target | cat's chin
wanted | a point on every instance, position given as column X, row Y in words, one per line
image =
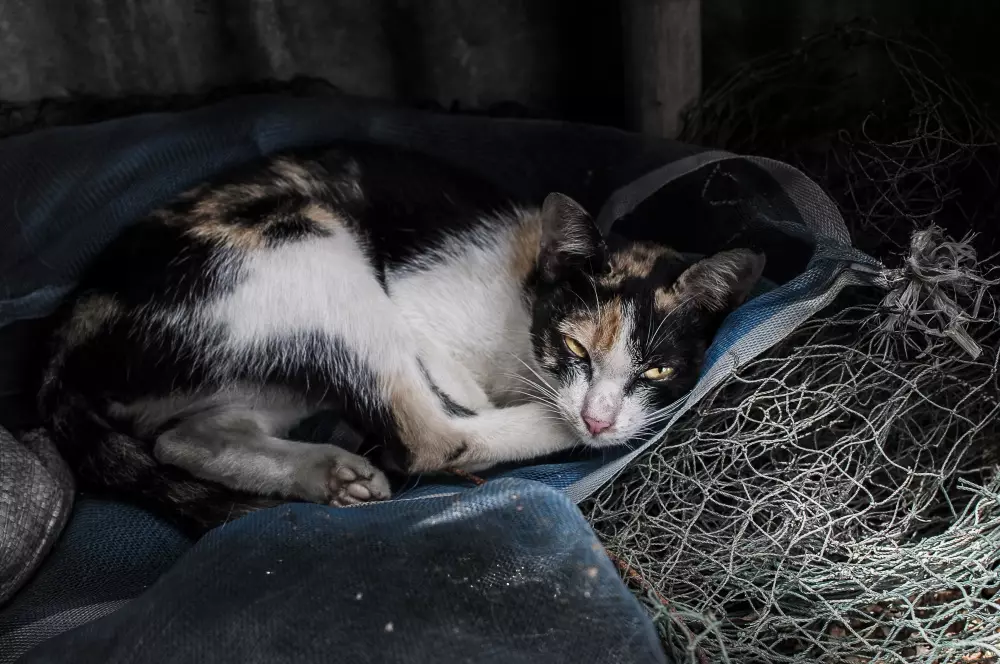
column 604, row 440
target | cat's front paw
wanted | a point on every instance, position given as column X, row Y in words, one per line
column 437, row 459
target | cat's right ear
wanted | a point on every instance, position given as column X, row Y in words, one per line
column 570, row 239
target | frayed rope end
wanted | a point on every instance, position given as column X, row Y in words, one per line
column 938, row 290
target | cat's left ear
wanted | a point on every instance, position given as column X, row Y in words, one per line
column 721, row 282
column 570, row 239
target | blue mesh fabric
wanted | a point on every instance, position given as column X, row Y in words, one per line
column 108, row 554
column 509, row 572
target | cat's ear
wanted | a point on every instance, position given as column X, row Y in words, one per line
column 570, row 238
column 721, row 282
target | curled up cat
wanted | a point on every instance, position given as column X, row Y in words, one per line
column 450, row 325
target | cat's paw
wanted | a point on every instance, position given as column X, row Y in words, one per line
column 337, row 477
column 353, row 483
column 437, row 459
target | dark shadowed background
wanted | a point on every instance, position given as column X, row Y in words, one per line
column 557, row 58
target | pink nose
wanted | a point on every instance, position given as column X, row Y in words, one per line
column 596, row 426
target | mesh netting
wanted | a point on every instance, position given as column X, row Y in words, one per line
column 834, row 501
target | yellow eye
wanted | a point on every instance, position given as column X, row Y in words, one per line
column 575, row 347
column 658, row 373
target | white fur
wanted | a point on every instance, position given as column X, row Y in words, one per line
column 464, row 299
column 234, row 445
column 324, row 285
column 277, row 409
column 514, row 433
column 458, row 311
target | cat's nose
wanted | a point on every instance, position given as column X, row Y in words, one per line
column 594, row 425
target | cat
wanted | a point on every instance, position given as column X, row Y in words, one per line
column 456, row 327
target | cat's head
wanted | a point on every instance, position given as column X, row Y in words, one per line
column 622, row 326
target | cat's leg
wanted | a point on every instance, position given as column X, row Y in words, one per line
column 490, row 435
column 235, row 446
column 453, row 382
column 504, row 435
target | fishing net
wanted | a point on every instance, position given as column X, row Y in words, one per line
column 883, row 122
column 835, row 500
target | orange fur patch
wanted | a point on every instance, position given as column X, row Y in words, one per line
column 525, row 246
column 608, row 326
column 205, row 222
column 635, row 262
column 89, row 315
column 321, row 216
column 297, row 176
column 597, row 330
column 236, row 236
column 665, row 299
column 429, row 435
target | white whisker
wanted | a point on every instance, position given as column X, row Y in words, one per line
column 541, row 388
column 655, row 339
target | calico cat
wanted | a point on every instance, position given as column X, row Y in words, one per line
column 439, row 318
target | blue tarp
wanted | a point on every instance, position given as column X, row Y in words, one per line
column 507, row 573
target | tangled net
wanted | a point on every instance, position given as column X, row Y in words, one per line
column 836, row 500
column 882, row 122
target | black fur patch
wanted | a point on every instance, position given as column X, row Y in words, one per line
column 153, row 262
column 457, row 453
column 278, row 217
column 449, row 405
column 411, row 203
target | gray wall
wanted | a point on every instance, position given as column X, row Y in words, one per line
column 561, row 57
column 542, row 53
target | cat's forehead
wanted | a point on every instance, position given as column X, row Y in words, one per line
column 644, row 273
column 633, row 267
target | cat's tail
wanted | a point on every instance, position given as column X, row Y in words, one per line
column 108, row 462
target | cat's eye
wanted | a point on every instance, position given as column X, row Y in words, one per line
column 575, row 347
column 658, row 373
